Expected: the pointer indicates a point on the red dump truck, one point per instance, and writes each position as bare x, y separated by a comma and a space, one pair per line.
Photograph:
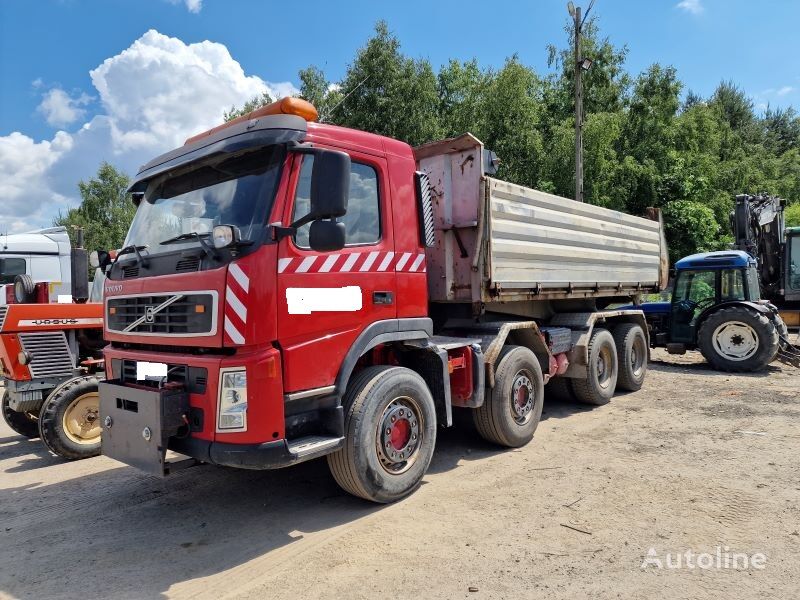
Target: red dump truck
291, 290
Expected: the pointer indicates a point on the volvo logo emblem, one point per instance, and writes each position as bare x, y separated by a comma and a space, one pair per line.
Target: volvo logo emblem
149, 314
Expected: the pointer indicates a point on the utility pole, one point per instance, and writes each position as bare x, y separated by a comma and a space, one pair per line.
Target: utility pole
581, 64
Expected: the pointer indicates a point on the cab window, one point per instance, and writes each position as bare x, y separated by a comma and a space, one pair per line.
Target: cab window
732, 285
694, 292
794, 263
362, 222
10, 268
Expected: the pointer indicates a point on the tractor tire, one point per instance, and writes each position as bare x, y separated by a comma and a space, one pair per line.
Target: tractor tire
390, 434
632, 349
738, 339
512, 409
602, 371
22, 423
69, 421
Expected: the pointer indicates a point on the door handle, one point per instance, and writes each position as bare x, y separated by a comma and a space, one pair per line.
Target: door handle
382, 298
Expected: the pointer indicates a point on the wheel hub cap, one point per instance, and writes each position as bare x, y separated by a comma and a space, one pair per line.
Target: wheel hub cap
399, 435
522, 395
735, 341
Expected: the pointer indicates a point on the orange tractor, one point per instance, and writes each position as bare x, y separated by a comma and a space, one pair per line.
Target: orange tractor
51, 361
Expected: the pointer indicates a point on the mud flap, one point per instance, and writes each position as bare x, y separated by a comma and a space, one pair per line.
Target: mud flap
138, 422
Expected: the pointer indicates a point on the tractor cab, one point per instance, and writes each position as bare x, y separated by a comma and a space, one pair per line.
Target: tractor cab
706, 280
792, 283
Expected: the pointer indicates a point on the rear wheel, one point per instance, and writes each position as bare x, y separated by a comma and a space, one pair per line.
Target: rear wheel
69, 421
631, 346
390, 433
22, 423
601, 372
513, 407
738, 339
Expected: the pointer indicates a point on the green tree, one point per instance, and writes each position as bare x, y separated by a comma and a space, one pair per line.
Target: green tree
316, 88
105, 211
389, 93
792, 215
690, 227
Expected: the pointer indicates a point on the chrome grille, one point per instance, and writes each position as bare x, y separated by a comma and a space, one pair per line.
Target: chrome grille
163, 314
3, 311
51, 356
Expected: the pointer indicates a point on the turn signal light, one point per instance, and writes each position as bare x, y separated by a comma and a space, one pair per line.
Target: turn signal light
284, 106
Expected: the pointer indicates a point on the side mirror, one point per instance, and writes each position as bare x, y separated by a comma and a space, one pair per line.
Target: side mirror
330, 184
326, 236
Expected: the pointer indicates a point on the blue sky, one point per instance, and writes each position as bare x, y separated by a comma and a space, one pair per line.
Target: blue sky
66, 120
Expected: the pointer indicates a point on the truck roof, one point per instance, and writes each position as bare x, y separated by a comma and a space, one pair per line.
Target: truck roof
716, 260
44, 241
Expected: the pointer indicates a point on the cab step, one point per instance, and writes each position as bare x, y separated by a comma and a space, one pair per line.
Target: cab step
313, 444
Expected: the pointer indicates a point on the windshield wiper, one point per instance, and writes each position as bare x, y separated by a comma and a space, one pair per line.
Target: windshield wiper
133, 248
193, 235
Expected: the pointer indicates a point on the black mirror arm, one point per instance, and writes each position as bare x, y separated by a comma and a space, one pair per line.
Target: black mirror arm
279, 231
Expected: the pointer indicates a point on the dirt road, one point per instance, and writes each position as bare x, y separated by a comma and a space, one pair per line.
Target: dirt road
695, 460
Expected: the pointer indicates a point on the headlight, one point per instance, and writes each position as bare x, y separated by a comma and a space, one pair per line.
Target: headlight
232, 400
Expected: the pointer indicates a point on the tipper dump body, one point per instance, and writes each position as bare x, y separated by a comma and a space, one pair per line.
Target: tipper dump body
502, 242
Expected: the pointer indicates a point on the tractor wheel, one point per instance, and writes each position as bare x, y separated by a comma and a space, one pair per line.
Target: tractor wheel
22, 423
69, 421
512, 409
738, 339
390, 433
601, 372
632, 353
24, 288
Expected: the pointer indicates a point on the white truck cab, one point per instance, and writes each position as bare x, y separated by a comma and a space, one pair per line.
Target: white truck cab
42, 254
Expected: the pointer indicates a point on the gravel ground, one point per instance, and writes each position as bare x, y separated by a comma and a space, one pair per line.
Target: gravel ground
694, 461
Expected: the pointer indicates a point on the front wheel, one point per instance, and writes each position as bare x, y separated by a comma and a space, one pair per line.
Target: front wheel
69, 421
738, 339
390, 433
512, 409
21, 422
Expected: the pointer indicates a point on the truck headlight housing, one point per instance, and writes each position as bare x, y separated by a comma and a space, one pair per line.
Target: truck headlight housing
232, 405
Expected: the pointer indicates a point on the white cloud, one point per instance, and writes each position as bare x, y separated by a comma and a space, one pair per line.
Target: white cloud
60, 109
694, 7
193, 6
153, 95
787, 89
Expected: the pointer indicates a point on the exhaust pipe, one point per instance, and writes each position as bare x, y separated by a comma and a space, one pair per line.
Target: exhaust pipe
79, 268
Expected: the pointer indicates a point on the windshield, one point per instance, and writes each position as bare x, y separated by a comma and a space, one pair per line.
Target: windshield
235, 190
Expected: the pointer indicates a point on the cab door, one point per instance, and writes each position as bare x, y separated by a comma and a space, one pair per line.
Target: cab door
326, 299
694, 292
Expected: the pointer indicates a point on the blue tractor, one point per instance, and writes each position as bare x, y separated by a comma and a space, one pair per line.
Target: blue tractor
716, 308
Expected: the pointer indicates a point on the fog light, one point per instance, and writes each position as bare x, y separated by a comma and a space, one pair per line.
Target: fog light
232, 413
24, 357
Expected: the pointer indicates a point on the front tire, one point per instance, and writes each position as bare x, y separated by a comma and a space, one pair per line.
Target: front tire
22, 423
69, 421
390, 433
601, 372
512, 409
738, 339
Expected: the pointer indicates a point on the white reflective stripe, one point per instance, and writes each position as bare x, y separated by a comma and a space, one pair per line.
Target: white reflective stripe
328, 264
283, 263
236, 304
232, 332
402, 262
417, 262
241, 278
351, 260
386, 261
368, 263
306, 264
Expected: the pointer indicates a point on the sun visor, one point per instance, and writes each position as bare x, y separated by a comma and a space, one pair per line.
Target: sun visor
278, 129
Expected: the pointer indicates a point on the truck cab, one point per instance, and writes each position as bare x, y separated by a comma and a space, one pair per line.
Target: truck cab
43, 255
